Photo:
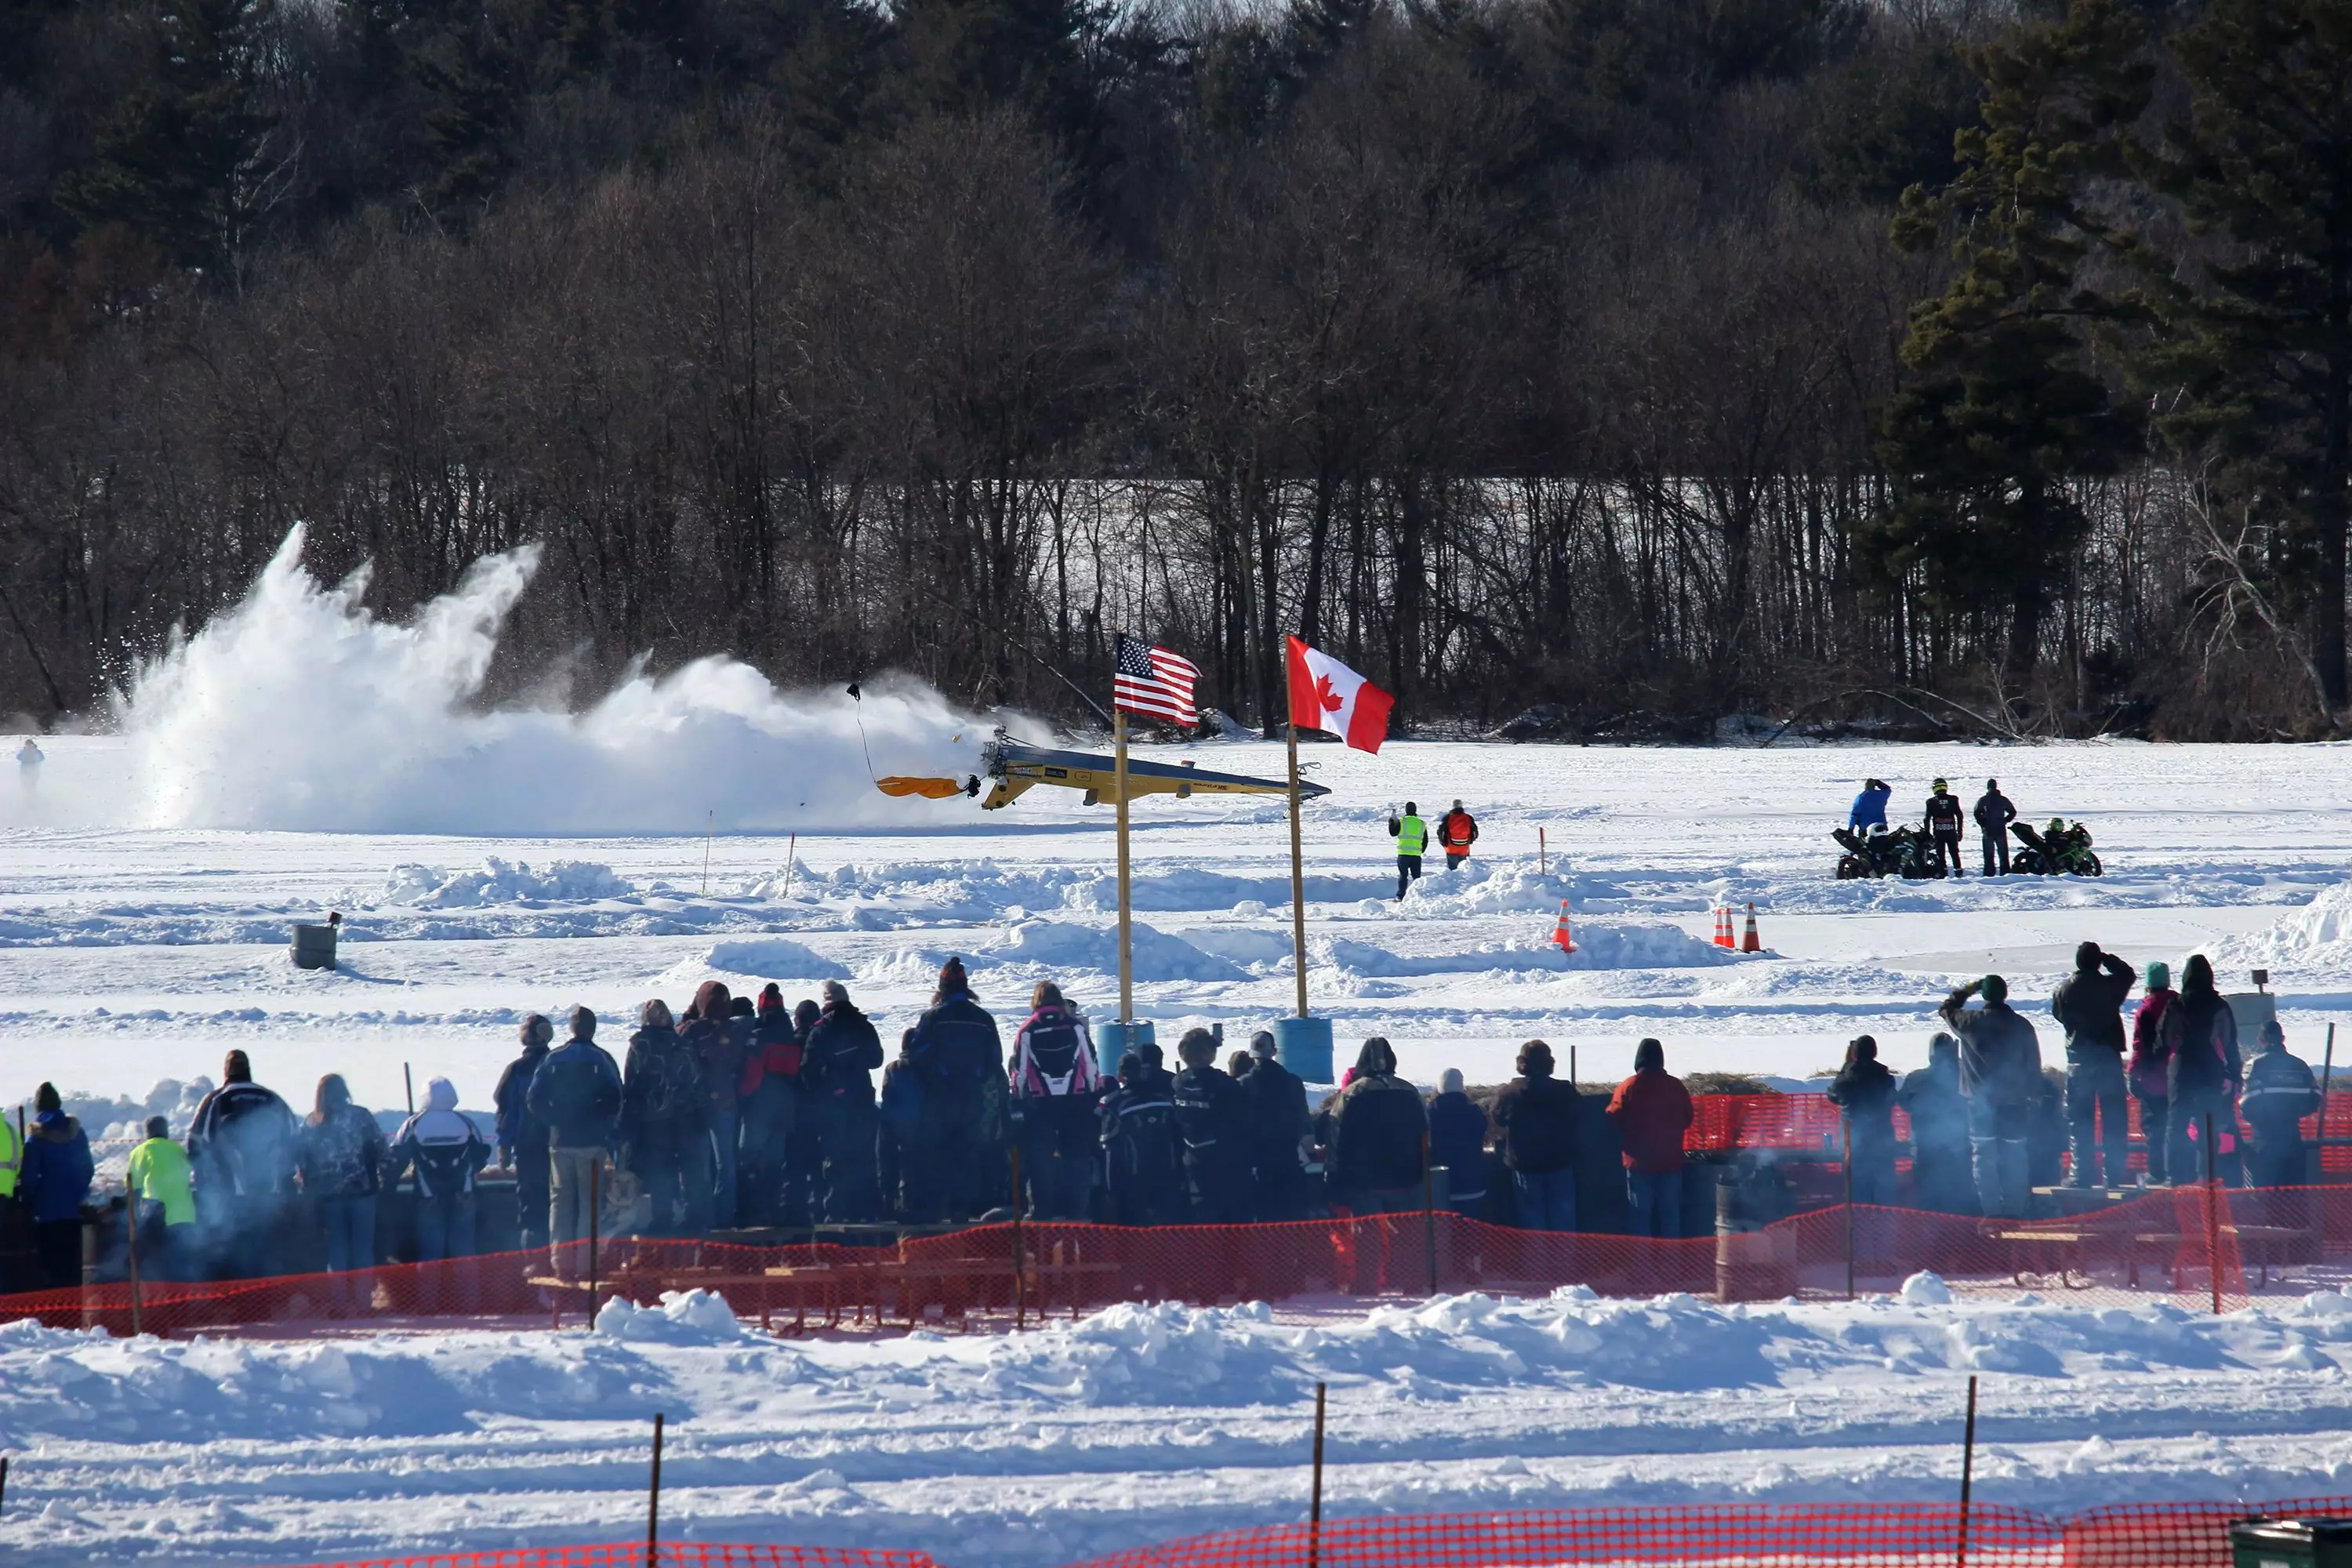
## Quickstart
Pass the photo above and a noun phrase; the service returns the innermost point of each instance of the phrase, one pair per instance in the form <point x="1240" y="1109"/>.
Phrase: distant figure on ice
<point x="1941" y="1180"/>
<point x="2000" y="1074"/>
<point x="1652" y="1111"/>
<point x="2089" y="1006"/>
<point x="1994" y="814"/>
<point x="1411" y="835"/>
<point x="1869" y="810"/>
<point x="1456" y="831"/>
<point x="1943" y="822"/>
<point x="2280" y="1093"/>
<point x="29" y="758"/>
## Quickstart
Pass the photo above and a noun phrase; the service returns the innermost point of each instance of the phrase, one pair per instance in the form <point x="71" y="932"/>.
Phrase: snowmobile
<point x="1906" y="852"/>
<point x="2061" y="848"/>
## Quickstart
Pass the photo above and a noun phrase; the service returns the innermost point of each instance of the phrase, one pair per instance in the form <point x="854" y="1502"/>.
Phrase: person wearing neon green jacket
<point x="163" y="1189"/>
<point x="1411" y="835"/>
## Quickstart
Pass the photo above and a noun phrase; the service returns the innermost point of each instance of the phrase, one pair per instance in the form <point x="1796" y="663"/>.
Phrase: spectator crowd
<point x="745" y="1113"/>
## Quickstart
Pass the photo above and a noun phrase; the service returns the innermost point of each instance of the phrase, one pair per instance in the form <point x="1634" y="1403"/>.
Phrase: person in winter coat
<point x="522" y="1137"/>
<point x="1374" y="1163"/>
<point x="1943" y="823"/>
<point x="241" y="1142"/>
<point x="837" y="1066"/>
<point x="897" y="1123"/>
<point x="1942" y="1178"/>
<point x="1653" y="1110"/>
<point x="341" y="1162"/>
<point x="1411" y="835"/>
<point x="1278" y="1124"/>
<point x="576" y="1095"/>
<point x="2280" y="1093"/>
<point x="446" y="1150"/>
<point x="666" y="1124"/>
<point x="1457" y="1143"/>
<point x="719" y="1045"/>
<point x="771" y="1104"/>
<point x="1056" y="1093"/>
<point x="2001" y="1076"/>
<point x="1993" y="814"/>
<point x="1539" y="1117"/>
<point x="2202" y="1078"/>
<point x="2088" y="1004"/>
<point x="959" y="1058"/>
<point x="2156" y="1034"/>
<point x="163" y="1202"/>
<point x="1864" y="1091"/>
<point x="54" y="1183"/>
<point x="1456" y="831"/>
<point x="1212" y="1120"/>
<point x="1869" y="809"/>
<point x="1143" y="1153"/>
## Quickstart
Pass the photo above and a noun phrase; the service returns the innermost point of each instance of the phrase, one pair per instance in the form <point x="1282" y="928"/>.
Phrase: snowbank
<point x="773" y="958"/>
<point x="500" y="882"/>
<point x="1598" y="946"/>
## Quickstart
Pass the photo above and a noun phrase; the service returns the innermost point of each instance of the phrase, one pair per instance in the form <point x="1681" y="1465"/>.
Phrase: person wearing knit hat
<point x="1457" y="1142"/>
<point x="2001" y="1075"/>
<point x="2155" y="1034"/>
<point x="522" y="1137"/>
<point x="1278" y="1124"/>
<point x="946" y="1169"/>
<point x="54" y="1186"/>
<point x="1537" y="1120"/>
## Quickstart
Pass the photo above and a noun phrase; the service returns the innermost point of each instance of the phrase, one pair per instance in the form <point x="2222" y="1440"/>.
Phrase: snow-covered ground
<point x="1143" y="1424"/>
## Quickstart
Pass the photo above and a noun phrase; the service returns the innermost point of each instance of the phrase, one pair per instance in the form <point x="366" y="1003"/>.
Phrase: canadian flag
<point x="1327" y="695"/>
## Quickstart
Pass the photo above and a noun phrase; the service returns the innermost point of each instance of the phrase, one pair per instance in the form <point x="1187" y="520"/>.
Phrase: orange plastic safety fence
<point x="1748" y="1535"/>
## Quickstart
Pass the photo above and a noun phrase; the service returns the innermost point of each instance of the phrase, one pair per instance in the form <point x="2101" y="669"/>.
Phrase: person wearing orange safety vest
<point x="1456" y="831"/>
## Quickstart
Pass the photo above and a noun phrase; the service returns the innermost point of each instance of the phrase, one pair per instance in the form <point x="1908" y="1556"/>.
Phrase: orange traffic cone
<point x="1560" y="939"/>
<point x="1752" y="942"/>
<point x="1723" y="937"/>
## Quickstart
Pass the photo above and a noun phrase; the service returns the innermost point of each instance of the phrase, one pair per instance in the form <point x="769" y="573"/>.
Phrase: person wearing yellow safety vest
<point x="12" y="1163"/>
<point x="162" y="1192"/>
<point x="1411" y="835"/>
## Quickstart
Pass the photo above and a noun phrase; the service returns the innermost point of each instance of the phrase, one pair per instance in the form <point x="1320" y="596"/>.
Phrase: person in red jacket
<point x="1651" y="1109"/>
<point x="1456" y="831"/>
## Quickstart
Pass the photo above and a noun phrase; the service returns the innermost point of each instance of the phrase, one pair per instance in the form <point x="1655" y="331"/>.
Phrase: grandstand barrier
<point x="1704" y="1535"/>
<point x="2206" y="1247"/>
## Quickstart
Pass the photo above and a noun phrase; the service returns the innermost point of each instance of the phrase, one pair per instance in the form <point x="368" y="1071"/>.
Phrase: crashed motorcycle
<point x="1906" y="852"/>
<point x="2060" y="850"/>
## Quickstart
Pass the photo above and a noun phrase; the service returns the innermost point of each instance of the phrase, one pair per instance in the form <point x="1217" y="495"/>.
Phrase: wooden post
<point x="1297" y="880"/>
<point x="1429" y="1210"/>
<point x="709" y="824"/>
<point x="1126" y="933"/>
<point x="2327" y="1075"/>
<point x="791" y="852"/>
<point x="1020" y="1296"/>
<point x="4" y="1480"/>
<point x="408" y="1087"/>
<point x="653" y="1501"/>
<point x="1314" y="1508"/>
<point x="595" y="1227"/>
<point x="1541" y="854"/>
<point x="2213" y="1219"/>
<point x="131" y="1239"/>
<point x="1846" y="1123"/>
<point x="1967" y="1472"/>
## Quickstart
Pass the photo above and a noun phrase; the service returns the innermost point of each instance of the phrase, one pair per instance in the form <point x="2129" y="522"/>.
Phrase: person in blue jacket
<point x="55" y="1182"/>
<point x="1870" y="806"/>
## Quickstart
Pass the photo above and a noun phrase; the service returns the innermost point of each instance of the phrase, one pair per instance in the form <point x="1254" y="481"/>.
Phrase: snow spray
<point x="298" y="708"/>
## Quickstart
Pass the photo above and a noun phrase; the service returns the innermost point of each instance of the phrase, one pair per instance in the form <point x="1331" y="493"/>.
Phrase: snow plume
<point x="298" y="709"/>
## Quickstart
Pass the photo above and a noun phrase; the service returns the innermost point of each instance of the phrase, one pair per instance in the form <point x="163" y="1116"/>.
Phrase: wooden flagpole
<point x="1126" y="965"/>
<point x="1297" y="879"/>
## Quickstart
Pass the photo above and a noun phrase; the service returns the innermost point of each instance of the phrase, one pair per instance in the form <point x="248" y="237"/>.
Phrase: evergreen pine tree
<point x="2254" y="367"/>
<point x="2001" y="407"/>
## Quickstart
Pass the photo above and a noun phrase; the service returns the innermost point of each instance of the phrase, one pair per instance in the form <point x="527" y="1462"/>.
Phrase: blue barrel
<point x="1303" y="1045"/>
<point x="1113" y="1041"/>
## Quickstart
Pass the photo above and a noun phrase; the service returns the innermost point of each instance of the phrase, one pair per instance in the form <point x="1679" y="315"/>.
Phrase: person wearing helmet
<point x="1944" y="827"/>
<point x="1456" y="831"/>
<point x="1994" y="814"/>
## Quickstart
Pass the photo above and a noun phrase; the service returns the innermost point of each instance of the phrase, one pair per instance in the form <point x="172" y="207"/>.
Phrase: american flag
<point x="1154" y="682"/>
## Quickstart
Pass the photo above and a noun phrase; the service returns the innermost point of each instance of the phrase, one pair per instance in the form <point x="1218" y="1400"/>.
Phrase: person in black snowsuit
<point x="1942" y="1179"/>
<point x="1540" y="1120"/>
<point x="2280" y="1093"/>
<point x="1279" y="1126"/>
<point x="1055" y="1090"/>
<point x="1993" y="814"/>
<point x="837" y="1068"/>
<point x="242" y="1146"/>
<point x="771" y="1108"/>
<point x="2001" y="1076"/>
<point x="2088" y="1004"/>
<point x="1943" y="823"/>
<point x="1375" y="1164"/>
<point x="1142" y="1152"/>
<point x="952" y="1170"/>
<point x="1864" y="1091"/>
<point x="719" y="1042"/>
<point x="665" y="1125"/>
<point x="1457" y="1142"/>
<point x="522" y="1137"/>
<point x="2203" y="1075"/>
<point x="1212" y="1119"/>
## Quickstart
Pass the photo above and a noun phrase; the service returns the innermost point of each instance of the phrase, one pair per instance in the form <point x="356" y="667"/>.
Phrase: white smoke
<point x="298" y="709"/>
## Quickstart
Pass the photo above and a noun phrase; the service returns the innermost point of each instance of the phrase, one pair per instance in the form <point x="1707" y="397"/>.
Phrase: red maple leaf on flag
<point x="1325" y="695"/>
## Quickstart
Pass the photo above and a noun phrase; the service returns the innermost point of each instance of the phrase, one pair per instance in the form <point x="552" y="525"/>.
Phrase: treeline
<point x="1928" y="364"/>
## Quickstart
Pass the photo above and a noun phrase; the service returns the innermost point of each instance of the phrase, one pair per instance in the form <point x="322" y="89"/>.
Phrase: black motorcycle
<point x="1906" y="852"/>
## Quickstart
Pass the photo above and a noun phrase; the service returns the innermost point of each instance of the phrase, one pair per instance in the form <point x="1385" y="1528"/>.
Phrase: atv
<point x="1906" y="852"/>
<point x="2061" y="848"/>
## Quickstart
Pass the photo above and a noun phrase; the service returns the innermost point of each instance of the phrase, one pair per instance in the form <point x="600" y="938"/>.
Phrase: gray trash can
<point x="314" y="947"/>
